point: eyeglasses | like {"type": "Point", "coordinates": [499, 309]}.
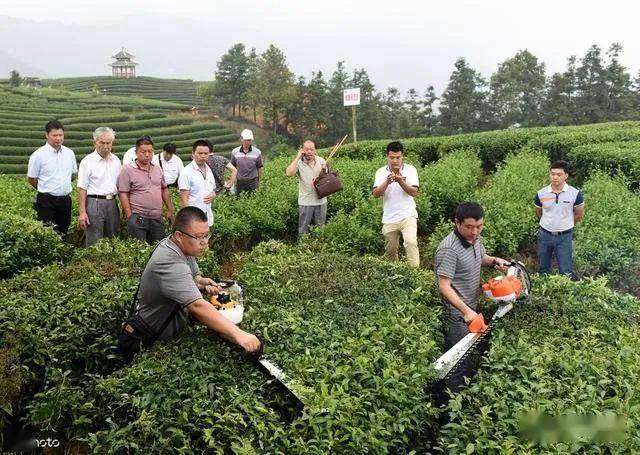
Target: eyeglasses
{"type": "Point", "coordinates": [200, 238]}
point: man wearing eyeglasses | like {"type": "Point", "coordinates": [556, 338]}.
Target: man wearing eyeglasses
{"type": "Point", "coordinates": [558, 206]}
{"type": "Point", "coordinates": [172, 277]}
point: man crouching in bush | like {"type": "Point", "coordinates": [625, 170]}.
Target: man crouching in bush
{"type": "Point", "coordinates": [459, 259]}
{"type": "Point", "coordinates": [170, 290]}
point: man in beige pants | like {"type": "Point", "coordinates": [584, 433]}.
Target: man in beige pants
{"type": "Point", "coordinates": [398, 184]}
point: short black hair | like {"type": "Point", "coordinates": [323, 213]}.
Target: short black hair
{"type": "Point", "coordinates": [169, 147]}
{"type": "Point", "coordinates": [144, 140]}
{"type": "Point", "coordinates": [560, 164]}
{"type": "Point", "coordinates": [203, 143]}
{"type": "Point", "coordinates": [53, 125]}
{"type": "Point", "coordinates": [395, 146]}
{"type": "Point", "coordinates": [186, 216]}
{"type": "Point", "coordinates": [469, 210]}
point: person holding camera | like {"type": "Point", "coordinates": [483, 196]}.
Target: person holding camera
{"type": "Point", "coordinates": [171, 289]}
{"type": "Point", "coordinates": [308, 166]}
{"type": "Point", "coordinates": [397, 184]}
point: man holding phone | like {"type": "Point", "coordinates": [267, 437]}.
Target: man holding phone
{"type": "Point", "coordinates": [308, 167]}
{"type": "Point", "coordinates": [397, 184]}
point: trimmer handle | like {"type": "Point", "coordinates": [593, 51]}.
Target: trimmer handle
{"type": "Point", "coordinates": [477, 324]}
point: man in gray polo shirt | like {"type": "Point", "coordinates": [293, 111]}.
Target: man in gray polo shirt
{"type": "Point", "coordinates": [172, 278]}
{"type": "Point", "coordinates": [558, 206]}
{"type": "Point", "coordinates": [247, 159]}
{"type": "Point", "coordinates": [459, 259]}
{"type": "Point", "coordinates": [308, 167]}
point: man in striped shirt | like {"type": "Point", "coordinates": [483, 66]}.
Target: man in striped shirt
{"type": "Point", "coordinates": [459, 259]}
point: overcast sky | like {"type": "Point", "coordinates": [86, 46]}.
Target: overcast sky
{"type": "Point", "coordinates": [402, 44]}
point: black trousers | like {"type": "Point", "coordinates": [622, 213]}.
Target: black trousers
{"type": "Point", "coordinates": [54, 210]}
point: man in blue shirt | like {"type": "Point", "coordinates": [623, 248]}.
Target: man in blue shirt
{"type": "Point", "coordinates": [50, 170]}
{"type": "Point", "coordinates": [558, 206]}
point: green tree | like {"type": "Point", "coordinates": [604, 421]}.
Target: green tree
{"type": "Point", "coordinates": [559, 106]}
{"type": "Point", "coordinates": [208, 92]}
{"type": "Point", "coordinates": [429, 115]}
{"type": "Point", "coordinates": [339, 117]}
{"type": "Point", "coordinates": [275, 84]}
{"type": "Point", "coordinates": [463, 107]}
{"type": "Point", "coordinates": [369, 120]}
{"type": "Point", "coordinates": [306, 117]}
{"type": "Point", "coordinates": [618, 81]}
{"type": "Point", "coordinates": [517, 90]}
{"type": "Point", "coordinates": [232, 78]}
{"type": "Point", "coordinates": [14, 78]}
{"type": "Point", "coordinates": [253, 95]}
{"type": "Point", "coordinates": [593, 95]}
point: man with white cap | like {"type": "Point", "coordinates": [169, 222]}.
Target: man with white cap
{"type": "Point", "coordinates": [247, 159]}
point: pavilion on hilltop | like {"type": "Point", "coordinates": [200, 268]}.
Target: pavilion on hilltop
{"type": "Point", "coordinates": [123, 67]}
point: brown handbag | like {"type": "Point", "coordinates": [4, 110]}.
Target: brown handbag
{"type": "Point", "coordinates": [328, 182]}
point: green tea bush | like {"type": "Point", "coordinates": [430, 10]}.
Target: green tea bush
{"type": "Point", "coordinates": [606, 241]}
{"type": "Point", "coordinates": [507, 199]}
{"type": "Point", "coordinates": [614, 158]}
{"type": "Point", "coordinates": [355, 336]}
{"type": "Point", "coordinates": [64, 319]}
{"type": "Point", "coordinates": [26, 243]}
{"type": "Point", "coordinates": [572, 349]}
{"type": "Point", "coordinates": [447, 182]}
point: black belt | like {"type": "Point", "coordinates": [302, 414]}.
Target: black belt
{"type": "Point", "coordinates": [53, 196]}
{"type": "Point", "coordinates": [557, 233]}
{"type": "Point", "coordinates": [96, 196]}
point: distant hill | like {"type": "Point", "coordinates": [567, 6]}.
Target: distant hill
{"type": "Point", "coordinates": [181, 91]}
{"type": "Point", "coordinates": [9, 63]}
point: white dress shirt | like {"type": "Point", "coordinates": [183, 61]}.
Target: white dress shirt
{"type": "Point", "coordinates": [53, 169]}
{"type": "Point", "coordinates": [199, 187]}
{"type": "Point", "coordinates": [171, 168]}
{"type": "Point", "coordinates": [129, 157]}
{"type": "Point", "coordinates": [99, 176]}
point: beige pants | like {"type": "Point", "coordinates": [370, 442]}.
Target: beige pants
{"type": "Point", "coordinates": [409, 229]}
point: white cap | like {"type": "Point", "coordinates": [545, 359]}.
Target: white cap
{"type": "Point", "coordinates": [246, 135]}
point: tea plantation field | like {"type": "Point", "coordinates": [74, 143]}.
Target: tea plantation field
{"type": "Point", "coordinates": [355, 333]}
{"type": "Point", "coordinates": [181, 91]}
{"type": "Point", "coordinates": [24, 112]}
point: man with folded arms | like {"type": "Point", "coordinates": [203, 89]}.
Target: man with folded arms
{"type": "Point", "coordinates": [97, 189]}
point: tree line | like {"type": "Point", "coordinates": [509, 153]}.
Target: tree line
{"type": "Point", "coordinates": [594, 88]}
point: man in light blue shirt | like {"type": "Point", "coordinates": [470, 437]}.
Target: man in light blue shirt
{"type": "Point", "coordinates": [558, 207]}
{"type": "Point", "coordinates": [50, 170]}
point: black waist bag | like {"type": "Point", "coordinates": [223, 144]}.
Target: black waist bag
{"type": "Point", "coordinates": [135, 333]}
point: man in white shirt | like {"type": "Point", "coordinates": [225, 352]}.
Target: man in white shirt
{"type": "Point", "coordinates": [196, 182]}
{"type": "Point", "coordinates": [49, 172]}
{"type": "Point", "coordinates": [98, 190]}
{"type": "Point", "coordinates": [171, 164]}
{"type": "Point", "coordinates": [398, 183]}
{"type": "Point", "coordinates": [129, 156]}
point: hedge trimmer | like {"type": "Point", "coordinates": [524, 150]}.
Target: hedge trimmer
{"type": "Point", "coordinates": [230, 303]}
{"type": "Point", "coordinates": [505, 291]}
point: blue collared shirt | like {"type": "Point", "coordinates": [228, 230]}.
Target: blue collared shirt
{"type": "Point", "coordinates": [53, 169]}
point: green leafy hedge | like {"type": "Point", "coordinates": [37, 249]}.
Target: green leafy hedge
{"type": "Point", "coordinates": [355, 336]}
{"type": "Point", "coordinates": [63, 320]}
{"type": "Point", "coordinates": [572, 349]}
{"type": "Point", "coordinates": [606, 241]}
{"type": "Point", "coordinates": [25, 243]}
{"type": "Point", "coordinates": [614, 158]}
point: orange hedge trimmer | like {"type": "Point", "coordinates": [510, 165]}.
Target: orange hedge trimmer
{"type": "Point", "coordinates": [504, 290]}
